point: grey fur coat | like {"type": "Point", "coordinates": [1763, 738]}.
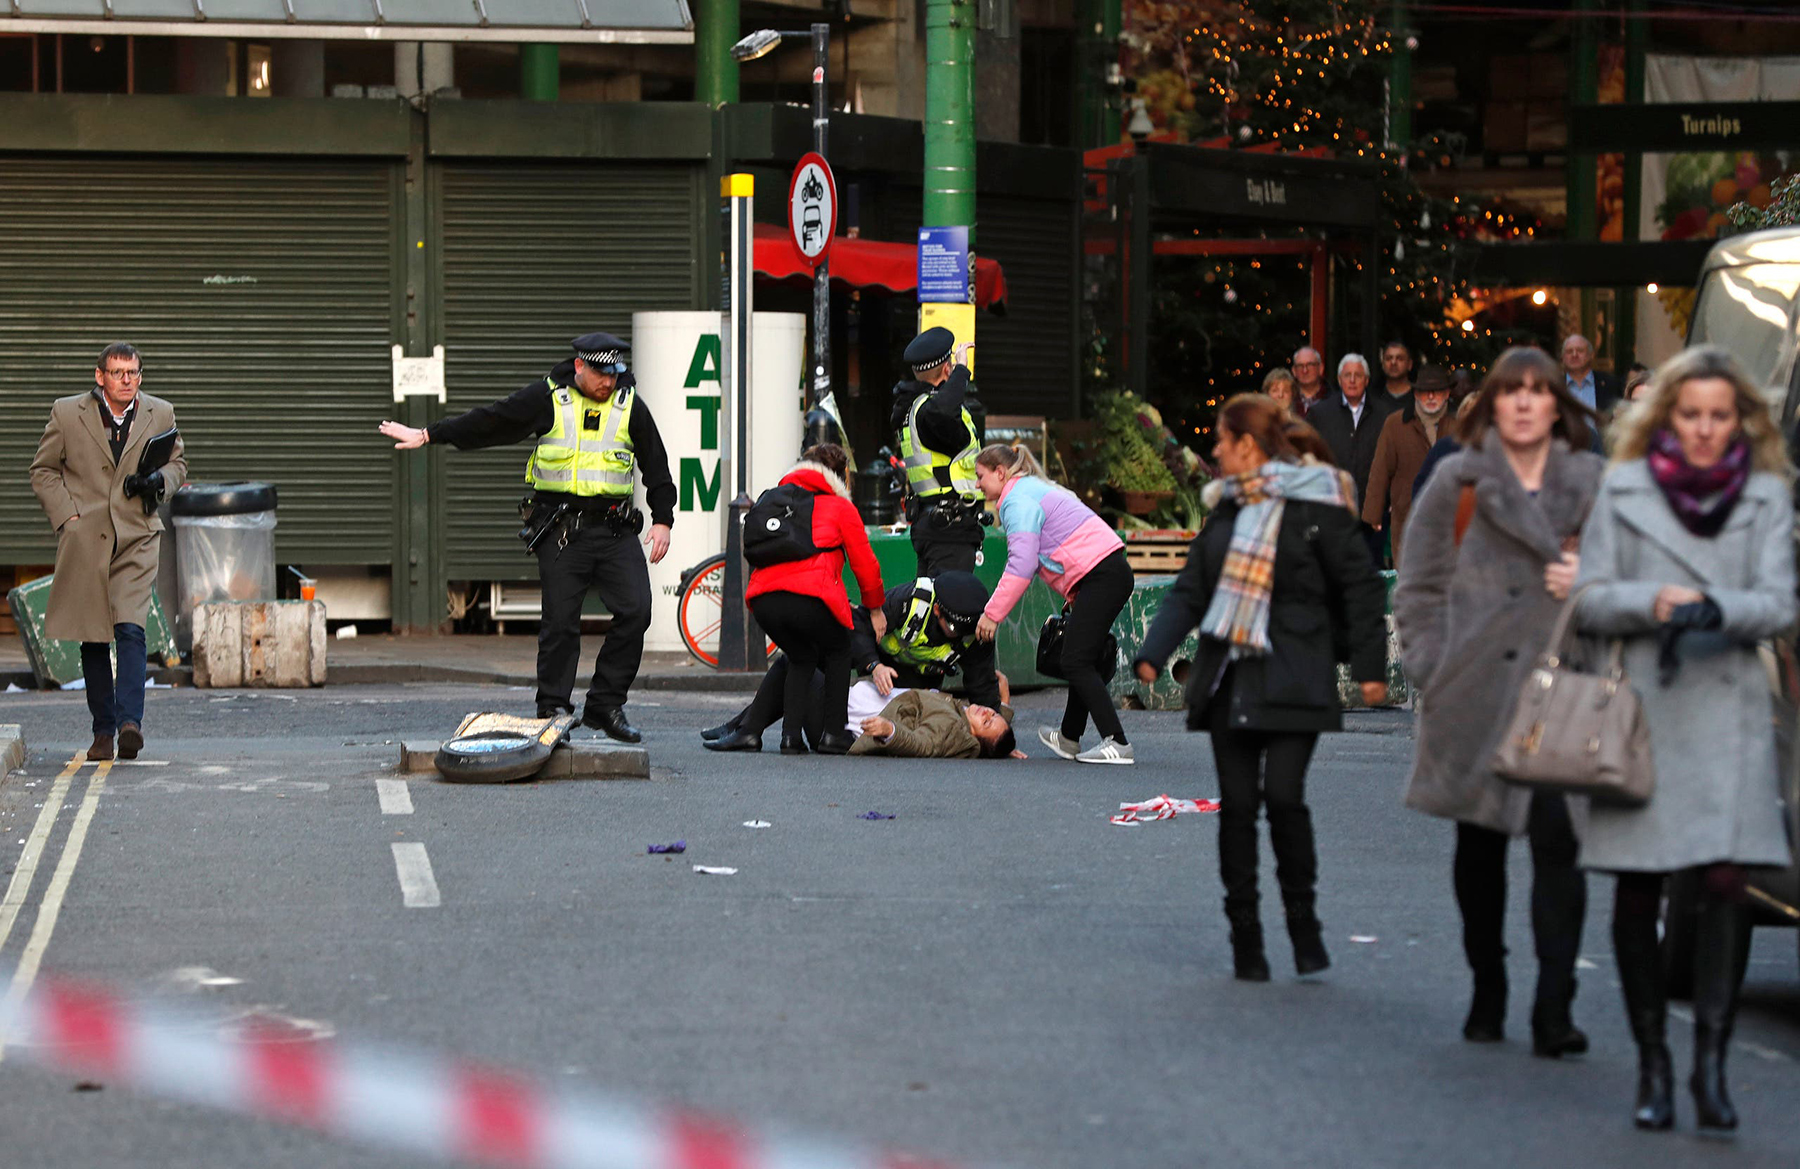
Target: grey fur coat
{"type": "Point", "coordinates": [1717, 791]}
{"type": "Point", "coordinates": [1472, 619]}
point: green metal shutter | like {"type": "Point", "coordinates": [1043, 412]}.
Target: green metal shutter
{"type": "Point", "coordinates": [1026, 360]}
{"type": "Point", "coordinates": [532, 256]}
{"type": "Point", "coordinates": [261, 294]}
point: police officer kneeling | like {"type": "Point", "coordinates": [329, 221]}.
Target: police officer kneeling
{"type": "Point", "coordinates": [930, 639]}
{"type": "Point", "coordinates": [592, 431]}
{"type": "Point", "coordinates": [940, 431]}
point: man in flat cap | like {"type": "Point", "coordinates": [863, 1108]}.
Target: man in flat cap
{"type": "Point", "coordinates": [940, 427]}
{"type": "Point", "coordinates": [592, 433]}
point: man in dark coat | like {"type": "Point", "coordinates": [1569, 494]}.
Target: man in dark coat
{"type": "Point", "coordinates": [1406, 438]}
{"type": "Point", "coordinates": [1350, 422]}
{"type": "Point", "coordinates": [1593, 388]}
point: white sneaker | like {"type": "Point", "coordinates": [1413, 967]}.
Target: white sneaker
{"type": "Point", "coordinates": [1053, 739]}
{"type": "Point", "coordinates": [1107, 751]}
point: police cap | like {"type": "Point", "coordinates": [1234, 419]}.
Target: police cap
{"type": "Point", "coordinates": [960, 600]}
{"type": "Point", "coordinates": [930, 349]}
{"type": "Point", "coordinates": [603, 352]}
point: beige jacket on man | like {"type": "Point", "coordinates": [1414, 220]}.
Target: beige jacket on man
{"type": "Point", "coordinates": [928, 724]}
{"type": "Point", "coordinates": [106, 547]}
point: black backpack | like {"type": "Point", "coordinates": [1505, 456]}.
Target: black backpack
{"type": "Point", "coordinates": [779, 525]}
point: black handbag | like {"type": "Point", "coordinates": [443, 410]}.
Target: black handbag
{"type": "Point", "coordinates": [1050, 649]}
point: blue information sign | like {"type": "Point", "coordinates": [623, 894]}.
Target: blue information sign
{"type": "Point", "coordinates": [944, 265]}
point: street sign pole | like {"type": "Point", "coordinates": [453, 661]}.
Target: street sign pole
{"type": "Point", "coordinates": [821, 379]}
{"type": "Point", "coordinates": [737, 630]}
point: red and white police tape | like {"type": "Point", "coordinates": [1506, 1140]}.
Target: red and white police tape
{"type": "Point", "coordinates": [453, 1110]}
{"type": "Point", "coordinates": [1161, 807]}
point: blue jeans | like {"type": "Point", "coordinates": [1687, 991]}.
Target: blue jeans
{"type": "Point", "coordinates": [124, 703]}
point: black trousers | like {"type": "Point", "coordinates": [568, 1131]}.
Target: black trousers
{"type": "Point", "coordinates": [945, 549]}
{"type": "Point", "coordinates": [1099, 599]}
{"type": "Point", "coordinates": [1558, 897]}
{"type": "Point", "coordinates": [813, 642]}
{"type": "Point", "coordinates": [1266, 768]}
{"type": "Point", "coordinates": [769, 706]}
{"type": "Point", "coordinates": [614, 566]}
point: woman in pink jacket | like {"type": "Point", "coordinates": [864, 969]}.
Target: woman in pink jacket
{"type": "Point", "coordinates": [1079, 555]}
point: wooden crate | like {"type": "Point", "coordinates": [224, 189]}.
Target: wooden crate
{"type": "Point", "coordinates": [1157, 552]}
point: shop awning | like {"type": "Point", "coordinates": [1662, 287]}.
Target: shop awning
{"type": "Point", "coordinates": [867, 263]}
{"type": "Point", "coordinates": [564, 21]}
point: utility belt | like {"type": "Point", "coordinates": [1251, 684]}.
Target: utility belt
{"type": "Point", "coordinates": [557, 515]}
{"type": "Point", "coordinates": [950, 510]}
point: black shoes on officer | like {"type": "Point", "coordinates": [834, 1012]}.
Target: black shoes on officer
{"type": "Point", "coordinates": [724, 729]}
{"type": "Point", "coordinates": [735, 739]}
{"type": "Point", "coordinates": [610, 721]}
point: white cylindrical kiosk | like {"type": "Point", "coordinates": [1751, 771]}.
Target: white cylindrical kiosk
{"type": "Point", "coordinates": [676, 359]}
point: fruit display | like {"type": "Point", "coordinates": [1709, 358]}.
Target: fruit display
{"type": "Point", "coordinates": [1698, 191]}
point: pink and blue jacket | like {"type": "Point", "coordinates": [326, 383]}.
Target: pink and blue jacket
{"type": "Point", "coordinates": [1048, 526]}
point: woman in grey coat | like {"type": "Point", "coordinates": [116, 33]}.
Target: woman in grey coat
{"type": "Point", "coordinates": [1489, 556]}
{"type": "Point", "coordinates": [1691, 557]}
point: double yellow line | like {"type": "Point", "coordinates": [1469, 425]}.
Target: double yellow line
{"type": "Point", "coordinates": [19, 888]}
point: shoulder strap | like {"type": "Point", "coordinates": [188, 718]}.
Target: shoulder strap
{"type": "Point", "coordinates": [1465, 511]}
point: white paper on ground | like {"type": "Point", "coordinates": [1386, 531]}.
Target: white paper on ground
{"type": "Point", "coordinates": [77, 684]}
{"type": "Point", "coordinates": [14, 688]}
{"type": "Point", "coordinates": [715, 871]}
{"type": "Point", "coordinates": [757, 824]}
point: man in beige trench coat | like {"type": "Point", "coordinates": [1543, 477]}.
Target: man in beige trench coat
{"type": "Point", "coordinates": [85, 476]}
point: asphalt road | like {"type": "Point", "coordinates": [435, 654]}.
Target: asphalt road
{"type": "Point", "coordinates": [995, 976]}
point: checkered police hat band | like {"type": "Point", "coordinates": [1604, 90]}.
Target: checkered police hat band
{"type": "Point", "coordinates": [922, 366]}
{"type": "Point", "coordinates": [600, 356]}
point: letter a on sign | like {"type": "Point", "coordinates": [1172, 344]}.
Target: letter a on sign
{"type": "Point", "coordinates": [812, 208]}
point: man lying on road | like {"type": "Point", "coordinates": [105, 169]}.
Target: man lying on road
{"type": "Point", "coordinates": [929, 724]}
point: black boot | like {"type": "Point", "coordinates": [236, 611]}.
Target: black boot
{"type": "Point", "coordinates": [1647, 1008]}
{"type": "Point", "coordinates": [834, 743]}
{"type": "Point", "coordinates": [736, 740]}
{"type": "Point", "coordinates": [1309, 940]}
{"type": "Point", "coordinates": [610, 721]}
{"type": "Point", "coordinates": [1553, 1030]}
{"type": "Point", "coordinates": [710, 734]}
{"type": "Point", "coordinates": [794, 744]}
{"type": "Point", "coordinates": [1721, 952]}
{"type": "Point", "coordinates": [1487, 1008]}
{"type": "Point", "coordinates": [1248, 963]}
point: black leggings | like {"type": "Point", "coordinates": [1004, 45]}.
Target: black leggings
{"type": "Point", "coordinates": [770, 703]}
{"type": "Point", "coordinates": [1265, 768]}
{"type": "Point", "coordinates": [812, 639]}
{"type": "Point", "coordinates": [1558, 896]}
{"type": "Point", "coordinates": [1100, 597]}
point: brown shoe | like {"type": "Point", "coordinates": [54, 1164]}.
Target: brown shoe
{"type": "Point", "coordinates": [131, 741]}
{"type": "Point", "coordinates": [102, 748]}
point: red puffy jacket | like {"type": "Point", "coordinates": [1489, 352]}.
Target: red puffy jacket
{"type": "Point", "coordinates": [838, 530]}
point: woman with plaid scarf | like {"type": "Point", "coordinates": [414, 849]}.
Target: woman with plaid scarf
{"type": "Point", "coordinates": [1281, 585]}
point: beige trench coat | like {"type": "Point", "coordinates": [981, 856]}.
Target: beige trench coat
{"type": "Point", "coordinates": [106, 547]}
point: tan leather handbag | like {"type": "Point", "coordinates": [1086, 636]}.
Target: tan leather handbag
{"type": "Point", "coordinates": [1582, 734]}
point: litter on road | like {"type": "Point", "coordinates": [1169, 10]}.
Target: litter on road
{"type": "Point", "coordinates": [757, 824]}
{"type": "Point", "coordinates": [876, 816]}
{"type": "Point", "coordinates": [678, 846]}
{"type": "Point", "coordinates": [715, 870]}
{"type": "Point", "coordinates": [1161, 807]}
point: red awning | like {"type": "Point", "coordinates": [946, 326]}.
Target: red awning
{"type": "Point", "coordinates": [866, 263]}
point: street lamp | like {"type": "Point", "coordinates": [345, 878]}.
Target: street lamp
{"type": "Point", "coordinates": [759, 44]}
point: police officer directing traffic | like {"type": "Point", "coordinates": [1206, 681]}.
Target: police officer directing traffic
{"type": "Point", "coordinates": [579, 520]}
{"type": "Point", "coordinates": [939, 421]}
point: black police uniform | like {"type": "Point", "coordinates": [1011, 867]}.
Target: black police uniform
{"type": "Point", "coordinates": [602, 550]}
{"type": "Point", "coordinates": [945, 537]}
{"type": "Point", "coordinates": [962, 598]}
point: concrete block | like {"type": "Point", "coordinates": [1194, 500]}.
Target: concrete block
{"type": "Point", "coordinates": [259, 643]}
{"type": "Point", "coordinates": [12, 747]}
{"type": "Point", "coordinates": [592, 760]}
{"type": "Point", "coordinates": [419, 755]}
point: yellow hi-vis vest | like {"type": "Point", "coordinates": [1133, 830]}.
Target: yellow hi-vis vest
{"type": "Point", "coordinates": [906, 644]}
{"type": "Point", "coordinates": [931, 473]}
{"type": "Point", "coordinates": [581, 460]}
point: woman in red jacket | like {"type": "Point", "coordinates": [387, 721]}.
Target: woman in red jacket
{"type": "Point", "coordinates": [802, 605]}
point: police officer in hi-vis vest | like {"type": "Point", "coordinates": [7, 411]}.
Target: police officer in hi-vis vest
{"type": "Point", "coordinates": [930, 639]}
{"type": "Point", "coordinates": [592, 433]}
{"type": "Point", "coordinates": [939, 422]}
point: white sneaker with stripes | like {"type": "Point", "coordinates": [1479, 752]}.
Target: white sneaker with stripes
{"type": "Point", "coordinates": [1053, 739]}
{"type": "Point", "coordinates": [1107, 751]}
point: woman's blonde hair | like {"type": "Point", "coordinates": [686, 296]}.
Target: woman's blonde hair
{"type": "Point", "coordinates": [1012, 459]}
{"type": "Point", "coordinates": [1276, 375]}
{"type": "Point", "coordinates": [1649, 414]}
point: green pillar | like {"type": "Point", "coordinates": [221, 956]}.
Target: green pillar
{"type": "Point", "coordinates": [1637, 40]}
{"type": "Point", "coordinates": [950, 114]}
{"type": "Point", "coordinates": [715, 73]}
{"type": "Point", "coordinates": [1097, 43]}
{"type": "Point", "coordinates": [538, 80]}
{"type": "Point", "coordinates": [1400, 100]}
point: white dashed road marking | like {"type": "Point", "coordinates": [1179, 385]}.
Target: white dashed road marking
{"type": "Point", "coordinates": [396, 799]}
{"type": "Point", "coordinates": [418, 888]}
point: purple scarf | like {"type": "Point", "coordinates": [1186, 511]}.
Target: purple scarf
{"type": "Point", "coordinates": [1702, 497]}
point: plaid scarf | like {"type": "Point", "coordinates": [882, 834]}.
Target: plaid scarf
{"type": "Point", "coordinates": [1701, 497]}
{"type": "Point", "coordinates": [1238, 614]}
